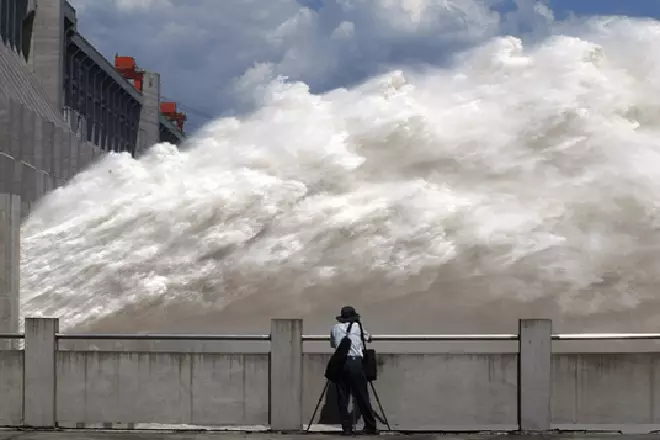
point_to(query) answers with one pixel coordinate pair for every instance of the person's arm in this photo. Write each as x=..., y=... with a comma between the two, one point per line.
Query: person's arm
x=367, y=335
x=333, y=335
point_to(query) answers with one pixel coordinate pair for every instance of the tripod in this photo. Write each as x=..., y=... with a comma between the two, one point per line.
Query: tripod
x=382, y=419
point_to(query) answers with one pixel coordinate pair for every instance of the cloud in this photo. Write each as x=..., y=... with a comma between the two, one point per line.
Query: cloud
x=216, y=56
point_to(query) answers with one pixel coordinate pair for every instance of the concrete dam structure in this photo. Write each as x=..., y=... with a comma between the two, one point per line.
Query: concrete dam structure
x=62, y=107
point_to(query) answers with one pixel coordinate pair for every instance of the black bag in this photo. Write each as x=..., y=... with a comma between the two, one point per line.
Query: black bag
x=369, y=362
x=337, y=361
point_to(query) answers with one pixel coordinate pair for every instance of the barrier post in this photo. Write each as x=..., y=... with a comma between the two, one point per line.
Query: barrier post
x=286, y=359
x=40, y=372
x=534, y=375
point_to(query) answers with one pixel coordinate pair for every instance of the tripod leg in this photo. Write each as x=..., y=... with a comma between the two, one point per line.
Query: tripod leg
x=353, y=413
x=373, y=388
x=318, y=404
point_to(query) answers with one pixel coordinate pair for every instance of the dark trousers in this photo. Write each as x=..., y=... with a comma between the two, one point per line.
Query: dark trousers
x=353, y=381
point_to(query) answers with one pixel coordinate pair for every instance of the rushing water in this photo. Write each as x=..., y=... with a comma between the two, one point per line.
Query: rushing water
x=520, y=181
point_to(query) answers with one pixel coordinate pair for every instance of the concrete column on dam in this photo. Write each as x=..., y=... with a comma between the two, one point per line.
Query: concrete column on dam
x=29, y=188
x=10, y=257
x=26, y=144
x=66, y=156
x=15, y=129
x=46, y=56
x=38, y=149
x=48, y=136
x=40, y=372
x=56, y=166
x=286, y=369
x=74, y=146
x=149, y=128
x=535, y=374
x=5, y=104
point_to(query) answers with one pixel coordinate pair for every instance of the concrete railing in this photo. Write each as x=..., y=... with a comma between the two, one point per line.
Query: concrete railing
x=532, y=389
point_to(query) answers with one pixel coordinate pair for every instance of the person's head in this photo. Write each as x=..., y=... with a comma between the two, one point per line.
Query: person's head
x=348, y=314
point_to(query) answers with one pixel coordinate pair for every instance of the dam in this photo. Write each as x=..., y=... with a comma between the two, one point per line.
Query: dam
x=507, y=268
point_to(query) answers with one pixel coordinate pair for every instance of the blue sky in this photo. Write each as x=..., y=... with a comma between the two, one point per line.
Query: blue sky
x=631, y=8
x=215, y=56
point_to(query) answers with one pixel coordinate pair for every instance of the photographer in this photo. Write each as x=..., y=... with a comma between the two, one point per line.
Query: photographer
x=353, y=380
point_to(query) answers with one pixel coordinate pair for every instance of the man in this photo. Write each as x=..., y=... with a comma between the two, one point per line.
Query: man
x=353, y=380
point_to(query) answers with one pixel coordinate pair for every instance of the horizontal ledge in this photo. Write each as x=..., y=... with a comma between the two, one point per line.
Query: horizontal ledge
x=12, y=336
x=425, y=338
x=606, y=336
x=162, y=337
x=312, y=338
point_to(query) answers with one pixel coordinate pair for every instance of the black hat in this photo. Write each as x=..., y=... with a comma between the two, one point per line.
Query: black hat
x=348, y=314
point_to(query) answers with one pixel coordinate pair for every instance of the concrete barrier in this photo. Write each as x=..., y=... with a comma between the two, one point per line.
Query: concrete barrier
x=430, y=392
x=11, y=387
x=533, y=390
x=176, y=388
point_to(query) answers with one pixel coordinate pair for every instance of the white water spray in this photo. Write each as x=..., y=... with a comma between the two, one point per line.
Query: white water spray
x=519, y=176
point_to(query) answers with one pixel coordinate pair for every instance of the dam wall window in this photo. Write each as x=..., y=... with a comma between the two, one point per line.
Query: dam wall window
x=99, y=104
x=12, y=14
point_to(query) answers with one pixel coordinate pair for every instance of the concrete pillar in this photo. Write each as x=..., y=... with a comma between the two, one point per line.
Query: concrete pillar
x=29, y=187
x=58, y=159
x=42, y=184
x=6, y=173
x=74, y=148
x=149, y=127
x=65, y=150
x=38, y=150
x=15, y=130
x=27, y=136
x=10, y=258
x=48, y=135
x=5, y=104
x=46, y=56
x=17, y=184
x=534, y=374
x=40, y=372
x=286, y=374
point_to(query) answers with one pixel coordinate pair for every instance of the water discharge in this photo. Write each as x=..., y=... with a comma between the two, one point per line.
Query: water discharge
x=520, y=181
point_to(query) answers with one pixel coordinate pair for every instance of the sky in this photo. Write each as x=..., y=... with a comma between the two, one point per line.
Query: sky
x=216, y=56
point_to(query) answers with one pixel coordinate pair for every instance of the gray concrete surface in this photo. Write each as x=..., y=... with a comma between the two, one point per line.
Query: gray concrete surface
x=91, y=435
x=286, y=366
x=10, y=234
x=45, y=58
x=150, y=113
x=535, y=378
x=453, y=392
x=40, y=371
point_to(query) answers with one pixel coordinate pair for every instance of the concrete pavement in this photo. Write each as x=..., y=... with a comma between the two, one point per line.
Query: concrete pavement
x=160, y=435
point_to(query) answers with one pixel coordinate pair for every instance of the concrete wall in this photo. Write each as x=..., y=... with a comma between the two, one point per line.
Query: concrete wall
x=11, y=387
x=606, y=389
x=46, y=386
x=431, y=391
x=172, y=388
x=36, y=155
